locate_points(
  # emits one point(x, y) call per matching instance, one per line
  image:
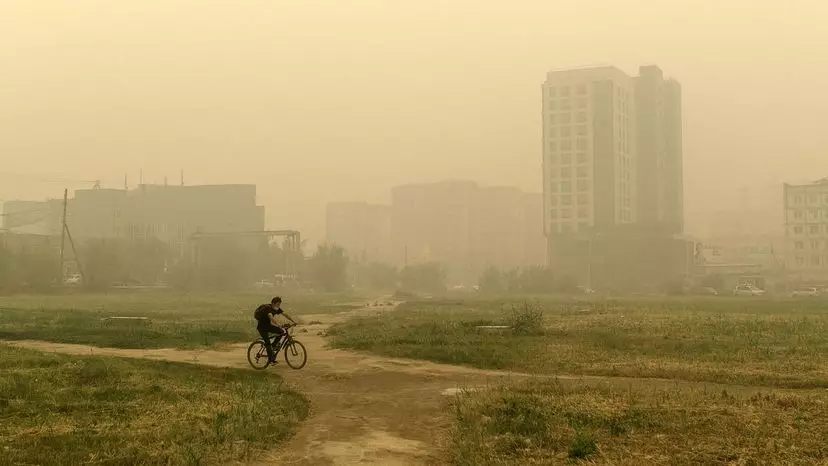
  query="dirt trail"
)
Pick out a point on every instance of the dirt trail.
point(365, 409)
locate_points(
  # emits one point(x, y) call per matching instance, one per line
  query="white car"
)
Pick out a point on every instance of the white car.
point(748, 290)
point(806, 291)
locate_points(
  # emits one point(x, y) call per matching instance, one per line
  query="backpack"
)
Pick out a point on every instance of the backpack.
point(261, 312)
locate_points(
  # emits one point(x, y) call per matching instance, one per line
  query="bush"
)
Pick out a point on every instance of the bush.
point(527, 319)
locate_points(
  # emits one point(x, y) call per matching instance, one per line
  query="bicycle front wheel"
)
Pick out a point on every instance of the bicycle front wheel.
point(295, 355)
point(257, 355)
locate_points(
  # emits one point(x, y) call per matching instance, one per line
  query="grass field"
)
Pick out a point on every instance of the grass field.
point(547, 423)
point(173, 320)
point(725, 340)
point(57, 409)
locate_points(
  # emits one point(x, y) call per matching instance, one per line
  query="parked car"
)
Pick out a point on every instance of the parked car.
point(72, 280)
point(806, 291)
point(748, 290)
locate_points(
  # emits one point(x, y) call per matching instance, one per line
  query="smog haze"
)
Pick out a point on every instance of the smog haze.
point(317, 101)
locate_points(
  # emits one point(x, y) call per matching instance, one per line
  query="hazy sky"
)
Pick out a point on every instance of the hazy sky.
point(341, 99)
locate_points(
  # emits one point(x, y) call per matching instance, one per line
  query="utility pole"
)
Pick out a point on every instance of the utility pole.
point(63, 232)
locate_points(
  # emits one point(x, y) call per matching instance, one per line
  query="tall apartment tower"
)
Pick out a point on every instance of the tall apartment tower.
point(612, 172)
point(589, 153)
point(659, 141)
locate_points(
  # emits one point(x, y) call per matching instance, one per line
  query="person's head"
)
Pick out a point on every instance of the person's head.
point(276, 302)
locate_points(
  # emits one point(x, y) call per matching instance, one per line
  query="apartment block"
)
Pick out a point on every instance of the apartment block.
point(612, 171)
point(589, 162)
point(806, 229)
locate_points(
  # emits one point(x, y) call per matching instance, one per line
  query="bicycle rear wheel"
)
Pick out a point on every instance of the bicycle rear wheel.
point(257, 355)
point(295, 355)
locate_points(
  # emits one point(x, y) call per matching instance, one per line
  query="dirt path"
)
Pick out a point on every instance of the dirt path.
point(365, 409)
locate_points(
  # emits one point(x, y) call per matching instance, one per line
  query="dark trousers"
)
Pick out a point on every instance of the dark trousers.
point(264, 331)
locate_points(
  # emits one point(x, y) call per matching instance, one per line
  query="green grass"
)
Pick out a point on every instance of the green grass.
point(548, 423)
point(736, 341)
point(57, 410)
point(175, 320)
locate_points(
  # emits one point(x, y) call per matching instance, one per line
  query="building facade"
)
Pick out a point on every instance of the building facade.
point(659, 151)
point(806, 229)
point(589, 162)
point(170, 214)
point(612, 170)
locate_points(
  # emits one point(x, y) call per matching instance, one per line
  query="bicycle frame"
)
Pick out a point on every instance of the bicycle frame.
point(287, 338)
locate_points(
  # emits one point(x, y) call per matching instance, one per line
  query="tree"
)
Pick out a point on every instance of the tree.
point(492, 281)
point(429, 277)
point(328, 267)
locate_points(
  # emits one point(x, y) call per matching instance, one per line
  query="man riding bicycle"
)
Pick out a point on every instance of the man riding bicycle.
point(265, 316)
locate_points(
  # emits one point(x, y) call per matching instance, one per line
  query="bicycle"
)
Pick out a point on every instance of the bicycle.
point(295, 354)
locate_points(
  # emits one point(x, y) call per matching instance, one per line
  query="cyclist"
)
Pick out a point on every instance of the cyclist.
point(265, 316)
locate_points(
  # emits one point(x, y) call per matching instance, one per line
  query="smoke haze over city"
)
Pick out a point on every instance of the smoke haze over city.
point(320, 101)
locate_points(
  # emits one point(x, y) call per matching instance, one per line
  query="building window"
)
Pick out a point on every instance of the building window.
point(566, 144)
point(551, 91)
point(553, 105)
point(566, 199)
point(797, 230)
point(582, 172)
point(799, 245)
point(798, 215)
point(553, 119)
point(553, 200)
point(566, 158)
point(815, 244)
point(553, 186)
point(583, 185)
point(565, 131)
point(565, 105)
point(798, 200)
point(812, 199)
point(581, 130)
point(582, 144)
point(581, 89)
point(566, 186)
point(800, 261)
point(582, 157)
point(566, 118)
point(566, 213)
point(815, 261)
point(583, 212)
point(564, 91)
point(553, 132)
point(553, 214)
point(581, 103)
point(814, 229)
point(583, 199)
point(581, 117)
point(553, 146)
point(566, 172)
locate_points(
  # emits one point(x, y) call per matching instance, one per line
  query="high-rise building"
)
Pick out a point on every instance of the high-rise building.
point(589, 150)
point(806, 229)
point(612, 171)
point(659, 146)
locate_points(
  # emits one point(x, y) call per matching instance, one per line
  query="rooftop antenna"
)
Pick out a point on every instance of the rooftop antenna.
point(182, 177)
point(165, 181)
point(141, 178)
point(126, 185)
